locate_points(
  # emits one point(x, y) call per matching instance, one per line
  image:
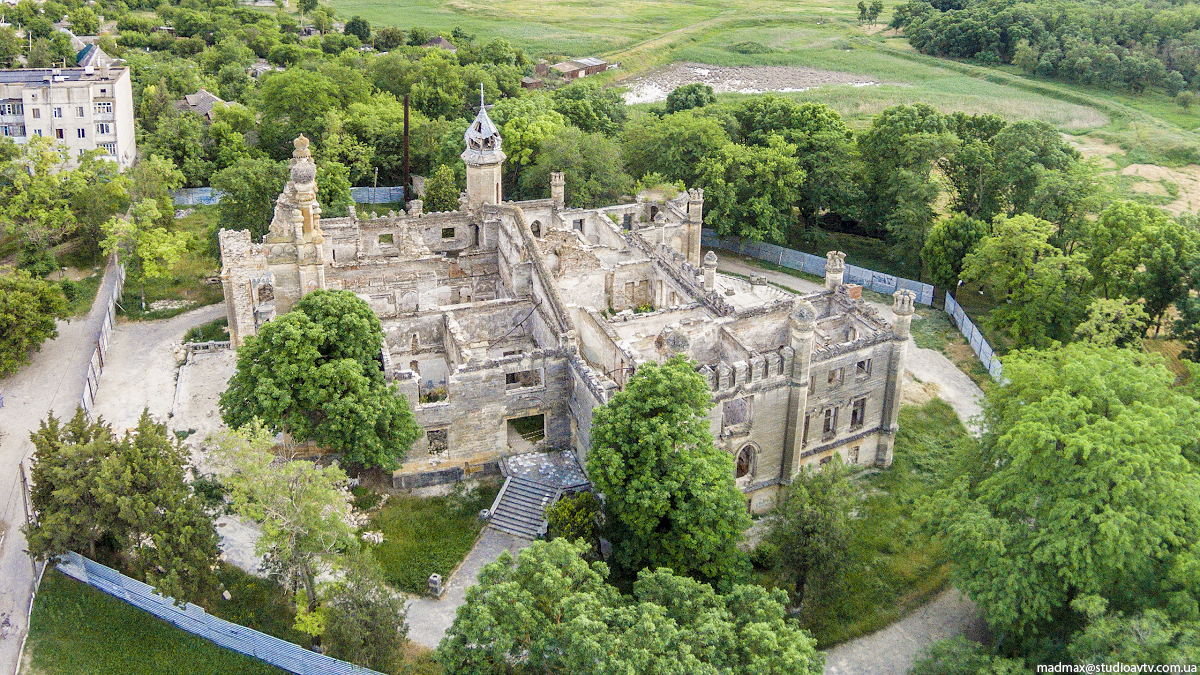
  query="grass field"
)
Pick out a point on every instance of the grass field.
point(424, 535)
point(78, 630)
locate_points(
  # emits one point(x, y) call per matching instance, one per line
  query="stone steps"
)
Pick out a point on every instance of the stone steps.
point(520, 508)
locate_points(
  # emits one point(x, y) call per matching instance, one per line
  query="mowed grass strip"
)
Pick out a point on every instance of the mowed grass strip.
point(78, 630)
point(427, 535)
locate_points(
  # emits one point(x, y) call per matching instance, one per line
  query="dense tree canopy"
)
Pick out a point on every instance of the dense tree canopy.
point(28, 309)
point(669, 493)
point(1081, 486)
point(551, 611)
point(315, 373)
point(124, 496)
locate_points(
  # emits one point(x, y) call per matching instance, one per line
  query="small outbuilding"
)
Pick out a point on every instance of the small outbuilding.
point(441, 43)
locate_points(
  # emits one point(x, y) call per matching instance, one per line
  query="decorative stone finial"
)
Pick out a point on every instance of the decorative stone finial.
point(301, 151)
point(710, 259)
point(835, 269)
point(904, 302)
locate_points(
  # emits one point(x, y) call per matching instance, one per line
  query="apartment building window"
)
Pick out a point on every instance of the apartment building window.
point(11, 109)
point(57, 111)
point(81, 132)
point(835, 376)
point(858, 413)
point(37, 113)
point(79, 111)
point(103, 108)
point(109, 148)
point(104, 128)
point(37, 132)
point(81, 151)
point(58, 133)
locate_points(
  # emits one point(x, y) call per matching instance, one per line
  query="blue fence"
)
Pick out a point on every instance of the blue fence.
point(195, 620)
point(806, 262)
point(361, 195)
point(975, 337)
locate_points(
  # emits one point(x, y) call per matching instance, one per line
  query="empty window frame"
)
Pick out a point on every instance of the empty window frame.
point(858, 414)
point(523, 379)
point(835, 376)
point(439, 441)
point(745, 462)
point(447, 233)
point(853, 457)
point(388, 239)
point(863, 368)
point(830, 426)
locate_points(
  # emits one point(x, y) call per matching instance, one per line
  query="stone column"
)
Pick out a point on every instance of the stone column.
point(710, 271)
point(801, 325)
point(835, 269)
point(903, 309)
point(558, 188)
point(695, 221)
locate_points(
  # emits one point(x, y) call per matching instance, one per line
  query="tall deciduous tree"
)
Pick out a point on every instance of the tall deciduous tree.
point(694, 95)
point(750, 191)
point(947, 245)
point(552, 612)
point(130, 493)
point(591, 164)
point(1081, 486)
point(811, 533)
point(304, 509)
point(28, 308)
point(591, 107)
point(249, 190)
point(441, 191)
point(669, 493)
point(673, 146)
point(314, 373)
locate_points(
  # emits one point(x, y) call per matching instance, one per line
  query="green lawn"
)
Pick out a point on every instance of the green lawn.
point(424, 535)
point(78, 630)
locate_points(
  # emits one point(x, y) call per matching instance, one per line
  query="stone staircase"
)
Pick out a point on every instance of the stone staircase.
point(520, 507)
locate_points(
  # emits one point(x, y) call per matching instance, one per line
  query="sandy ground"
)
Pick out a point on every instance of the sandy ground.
point(654, 86)
point(1187, 178)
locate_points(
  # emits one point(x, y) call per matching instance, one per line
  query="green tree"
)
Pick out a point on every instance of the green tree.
point(1187, 327)
point(577, 517)
point(314, 373)
point(1025, 57)
point(551, 611)
point(292, 103)
point(1168, 256)
point(1114, 323)
point(307, 7)
point(334, 179)
point(810, 533)
point(670, 498)
point(1186, 99)
point(28, 308)
point(673, 146)
point(1042, 291)
point(959, 656)
point(365, 622)
point(441, 191)
point(591, 164)
point(360, 28)
point(35, 205)
point(179, 137)
point(249, 189)
point(151, 250)
point(1146, 637)
point(874, 11)
point(129, 493)
point(752, 190)
point(947, 245)
point(694, 95)
point(525, 124)
point(591, 107)
point(304, 509)
point(84, 22)
point(1080, 487)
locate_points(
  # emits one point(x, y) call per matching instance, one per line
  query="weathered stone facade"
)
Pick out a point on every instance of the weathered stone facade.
point(536, 312)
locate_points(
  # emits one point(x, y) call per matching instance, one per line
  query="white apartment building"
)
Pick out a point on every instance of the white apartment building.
point(81, 108)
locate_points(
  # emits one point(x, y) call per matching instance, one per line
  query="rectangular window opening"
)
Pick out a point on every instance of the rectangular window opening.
point(858, 414)
point(863, 368)
point(37, 113)
point(835, 376)
point(447, 233)
point(386, 238)
point(830, 428)
point(523, 379)
point(58, 133)
point(853, 455)
point(81, 132)
point(439, 442)
point(79, 111)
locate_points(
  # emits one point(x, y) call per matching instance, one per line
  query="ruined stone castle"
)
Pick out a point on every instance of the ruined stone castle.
point(502, 317)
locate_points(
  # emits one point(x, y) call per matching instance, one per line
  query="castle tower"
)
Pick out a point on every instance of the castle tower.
point(484, 160)
point(295, 245)
point(835, 269)
point(801, 326)
point(903, 308)
point(695, 224)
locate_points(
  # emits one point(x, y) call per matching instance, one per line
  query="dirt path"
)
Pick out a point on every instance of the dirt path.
point(53, 381)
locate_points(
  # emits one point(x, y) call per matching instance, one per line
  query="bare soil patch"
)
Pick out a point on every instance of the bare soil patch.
point(1187, 178)
point(654, 86)
point(1090, 146)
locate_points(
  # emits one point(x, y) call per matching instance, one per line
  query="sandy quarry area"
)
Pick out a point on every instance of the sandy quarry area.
point(654, 86)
